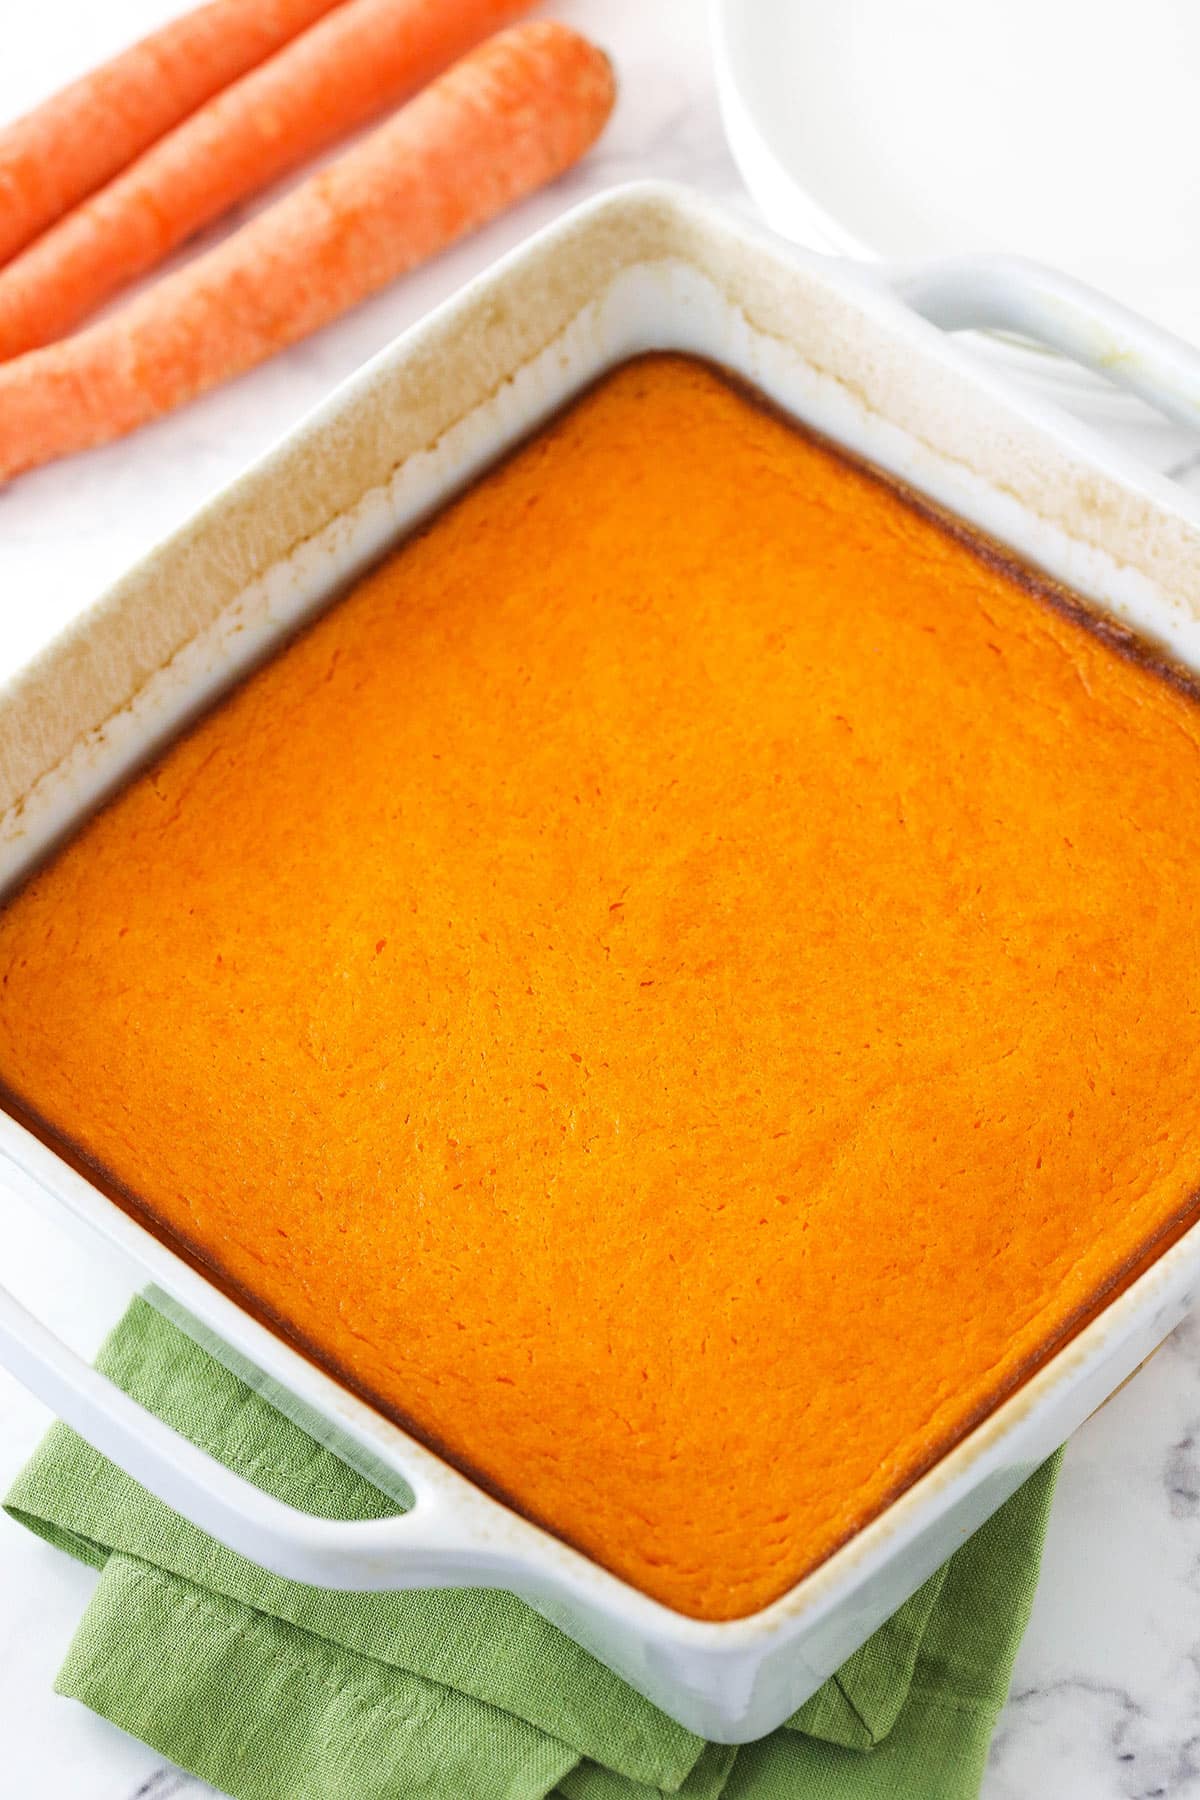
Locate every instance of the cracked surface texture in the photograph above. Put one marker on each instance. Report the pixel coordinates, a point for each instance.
(684, 986)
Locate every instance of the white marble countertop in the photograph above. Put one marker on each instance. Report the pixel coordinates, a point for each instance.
(1106, 1701)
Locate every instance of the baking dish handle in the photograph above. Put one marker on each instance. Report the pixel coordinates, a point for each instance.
(1013, 294)
(423, 1547)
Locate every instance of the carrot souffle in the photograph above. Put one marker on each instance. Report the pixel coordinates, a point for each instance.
(683, 987)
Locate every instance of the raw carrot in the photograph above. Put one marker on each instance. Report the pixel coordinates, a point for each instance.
(72, 143)
(364, 57)
(510, 116)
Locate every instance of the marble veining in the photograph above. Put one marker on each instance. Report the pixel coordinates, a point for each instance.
(165, 1782)
(1106, 1698)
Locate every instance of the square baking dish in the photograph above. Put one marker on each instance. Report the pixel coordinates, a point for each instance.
(843, 351)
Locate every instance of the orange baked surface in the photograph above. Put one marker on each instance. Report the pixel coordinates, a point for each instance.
(683, 986)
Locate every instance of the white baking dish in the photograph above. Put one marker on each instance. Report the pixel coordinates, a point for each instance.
(646, 267)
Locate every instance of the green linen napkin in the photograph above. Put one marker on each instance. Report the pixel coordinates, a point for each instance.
(276, 1691)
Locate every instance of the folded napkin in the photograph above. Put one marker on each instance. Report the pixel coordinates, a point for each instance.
(275, 1691)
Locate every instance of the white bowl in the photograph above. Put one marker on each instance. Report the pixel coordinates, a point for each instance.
(1033, 127)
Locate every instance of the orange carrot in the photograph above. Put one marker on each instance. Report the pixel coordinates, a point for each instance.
(509, 117)
(72, 143)
(364, 57)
